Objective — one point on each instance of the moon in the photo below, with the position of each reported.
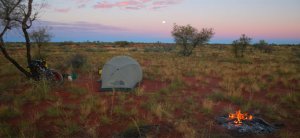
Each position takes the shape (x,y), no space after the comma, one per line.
(163,22)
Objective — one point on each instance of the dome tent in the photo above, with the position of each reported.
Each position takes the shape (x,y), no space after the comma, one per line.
(121,73)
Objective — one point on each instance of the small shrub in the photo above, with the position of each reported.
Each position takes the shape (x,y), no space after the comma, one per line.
(8,131)
(77,90)
(291,100)
(105,120)
(207,106)
(240,45)
(160,110)
(139,91)
(91,104)
(185,129)
(263,46)
(7,112)
(217,96)
(54,111)
(77,61)
(120,111)
(39,92)
(238,100)
(70,129)
(122,43)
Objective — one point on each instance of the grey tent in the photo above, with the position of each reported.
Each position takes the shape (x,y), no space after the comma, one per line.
(121,72)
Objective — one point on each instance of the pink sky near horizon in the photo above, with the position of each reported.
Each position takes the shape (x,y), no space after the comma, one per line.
(260,19)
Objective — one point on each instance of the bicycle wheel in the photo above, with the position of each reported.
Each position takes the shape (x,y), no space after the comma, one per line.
(56,77)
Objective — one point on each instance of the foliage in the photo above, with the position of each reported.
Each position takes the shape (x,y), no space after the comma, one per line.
(122,43)
(263,46)
(188,37)
(77,61)
(240,45)
(216,85)
(41,36)
(17,14)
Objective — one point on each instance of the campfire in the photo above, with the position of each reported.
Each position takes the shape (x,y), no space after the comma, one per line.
(238,117)
(245,123)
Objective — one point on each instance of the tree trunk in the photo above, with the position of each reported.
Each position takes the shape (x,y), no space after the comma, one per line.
(25,32)
(28,46)
(39,50)
(14,62)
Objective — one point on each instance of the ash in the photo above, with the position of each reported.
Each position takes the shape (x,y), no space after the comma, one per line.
(255,126)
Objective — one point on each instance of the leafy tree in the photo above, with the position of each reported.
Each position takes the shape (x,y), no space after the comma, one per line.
(41,36)
(188,37)
(17,14)
(240,45)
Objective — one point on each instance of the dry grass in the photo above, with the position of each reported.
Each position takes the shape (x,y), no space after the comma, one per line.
(185,129)
(262,83)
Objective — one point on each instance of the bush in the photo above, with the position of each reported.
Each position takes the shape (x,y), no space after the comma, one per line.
(240,45)
(263,46)
(77,61)
(122,43)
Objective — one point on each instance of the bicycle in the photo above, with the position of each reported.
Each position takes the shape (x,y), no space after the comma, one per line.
(39,70)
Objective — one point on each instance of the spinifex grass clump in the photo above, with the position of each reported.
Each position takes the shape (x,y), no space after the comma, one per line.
(40,91)
(189,90)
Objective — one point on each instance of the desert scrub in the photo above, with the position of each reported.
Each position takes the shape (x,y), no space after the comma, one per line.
(176,84)
(227,109)
(291,100)
(9,78)
(27,129)
(217,96)
(77,61)
(54,111)
(161,111)
(139,91)
(207,106)
(134,129)
(40,91)
(7,130)
(7,112)
(70,129)
(105,120)
(120,111)
(184,128)
(91,104)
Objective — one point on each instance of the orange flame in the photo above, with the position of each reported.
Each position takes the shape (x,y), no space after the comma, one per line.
(238,117)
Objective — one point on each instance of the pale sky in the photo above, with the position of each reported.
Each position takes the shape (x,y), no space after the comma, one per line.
(277,21)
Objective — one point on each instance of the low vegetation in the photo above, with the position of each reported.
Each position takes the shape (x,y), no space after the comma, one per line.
(178,97)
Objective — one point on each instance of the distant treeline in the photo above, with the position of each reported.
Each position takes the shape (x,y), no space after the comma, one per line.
(127,43)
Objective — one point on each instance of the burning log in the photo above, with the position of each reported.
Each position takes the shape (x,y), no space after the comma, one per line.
(238,117)
(244,123)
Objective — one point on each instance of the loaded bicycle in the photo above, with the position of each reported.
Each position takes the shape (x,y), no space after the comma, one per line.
(40,70)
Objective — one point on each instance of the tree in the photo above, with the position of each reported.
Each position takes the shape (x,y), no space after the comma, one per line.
(189,37)
(16,14)
(262,45)
(240,45)
(40,36)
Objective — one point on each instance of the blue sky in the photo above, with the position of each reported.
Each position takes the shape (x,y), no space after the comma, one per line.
(277,21)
